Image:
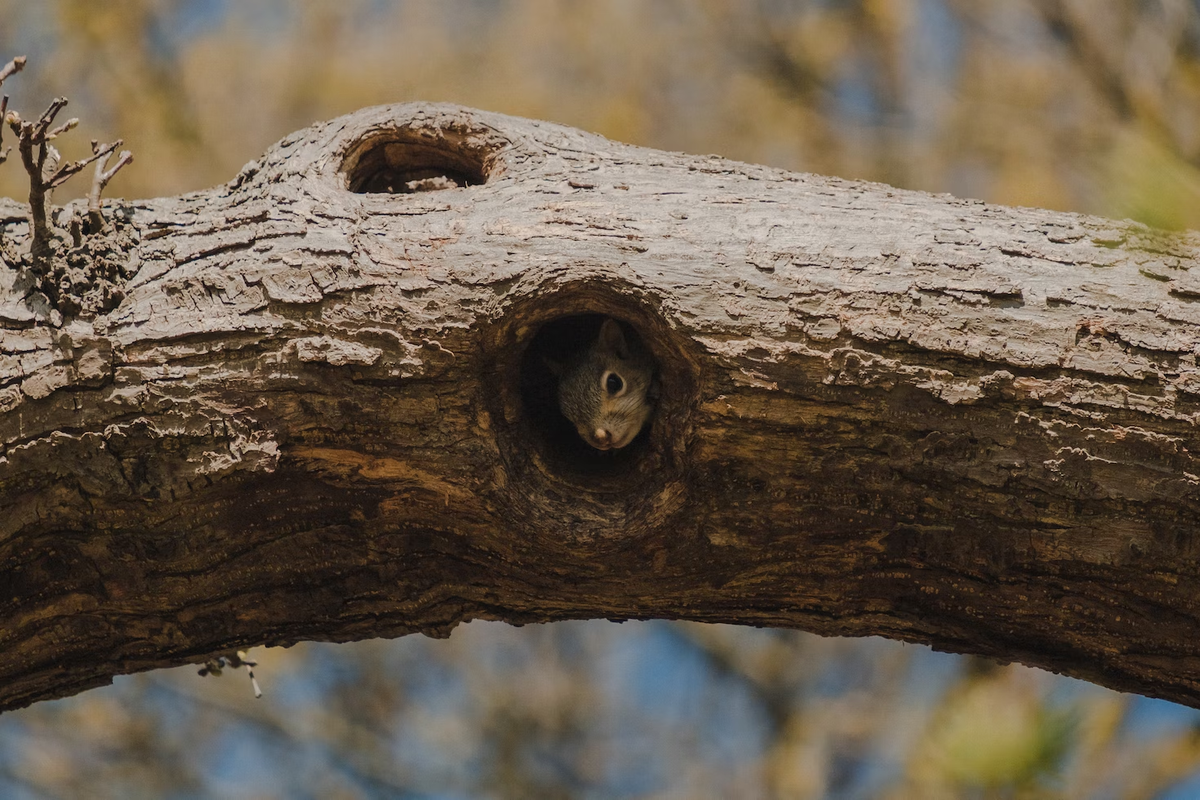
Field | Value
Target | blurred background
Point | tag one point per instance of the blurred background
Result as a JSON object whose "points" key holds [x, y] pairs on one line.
{"points": [[1077, 105]]}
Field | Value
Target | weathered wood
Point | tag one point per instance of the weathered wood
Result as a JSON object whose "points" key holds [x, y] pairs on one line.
{"points": [[318, 410]]}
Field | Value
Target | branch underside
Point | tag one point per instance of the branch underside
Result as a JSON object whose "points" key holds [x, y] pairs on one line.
{"points": [[319, 413]]}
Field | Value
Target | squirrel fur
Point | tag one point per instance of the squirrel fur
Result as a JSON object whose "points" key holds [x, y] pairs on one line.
{"points": [[607, 390]]}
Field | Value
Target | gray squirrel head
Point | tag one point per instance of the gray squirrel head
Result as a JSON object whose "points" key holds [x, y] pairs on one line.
{"points": [[606, 390]]}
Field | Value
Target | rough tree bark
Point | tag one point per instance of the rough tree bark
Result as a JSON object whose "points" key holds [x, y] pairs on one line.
{"points": [[311, 405]]}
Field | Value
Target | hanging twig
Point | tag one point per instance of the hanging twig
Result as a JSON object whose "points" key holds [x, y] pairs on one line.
{"points": [[214, 666]]}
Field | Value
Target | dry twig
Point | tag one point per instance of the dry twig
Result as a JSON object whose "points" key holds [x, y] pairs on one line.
{"points": [[33, 142], [100, 179], [12, 67], [214, 666]]}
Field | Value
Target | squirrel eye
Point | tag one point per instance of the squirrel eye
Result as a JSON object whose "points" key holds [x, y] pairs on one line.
{"points": [[613, 383]]}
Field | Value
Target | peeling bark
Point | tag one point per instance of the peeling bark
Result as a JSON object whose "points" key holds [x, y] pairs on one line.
{"points": [[320, 412]]}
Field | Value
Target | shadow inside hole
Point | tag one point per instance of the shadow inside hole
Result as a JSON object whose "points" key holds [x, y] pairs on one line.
{"points": [[554, 436], [402, 167]]}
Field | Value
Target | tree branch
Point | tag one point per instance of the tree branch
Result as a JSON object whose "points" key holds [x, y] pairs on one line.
{"points": [[42, 163], [4, 151], [33, 144], [11, 68], [323, 412], [100, 179]]}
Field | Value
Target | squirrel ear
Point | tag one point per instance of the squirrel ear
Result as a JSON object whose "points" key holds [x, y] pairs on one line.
{"points": [[613, 338]]}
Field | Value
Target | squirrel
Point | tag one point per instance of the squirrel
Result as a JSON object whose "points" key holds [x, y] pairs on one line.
{"points": [[607, 390]]}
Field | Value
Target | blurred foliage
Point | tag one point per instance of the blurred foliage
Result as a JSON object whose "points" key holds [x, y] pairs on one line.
{"points": [[1067, 104], [594, 709]]}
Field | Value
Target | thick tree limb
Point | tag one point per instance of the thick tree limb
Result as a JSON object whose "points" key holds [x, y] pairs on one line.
{"points": [[320, 413]]}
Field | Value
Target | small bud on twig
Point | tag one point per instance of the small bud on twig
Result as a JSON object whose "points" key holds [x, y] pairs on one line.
{"points": [[61, 129], [43, 124], [12, 67]]}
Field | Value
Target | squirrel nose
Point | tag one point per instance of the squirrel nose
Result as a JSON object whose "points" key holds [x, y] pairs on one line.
{"points": [[601, 436]]}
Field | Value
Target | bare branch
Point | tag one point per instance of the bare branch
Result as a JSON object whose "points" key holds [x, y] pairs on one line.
{"points": [[61, 129], [11, 68], [43, 124], [69, 169], [40, 134], [125, 157], [41, 161], [3, 113], [40, 246], [100, 179]]}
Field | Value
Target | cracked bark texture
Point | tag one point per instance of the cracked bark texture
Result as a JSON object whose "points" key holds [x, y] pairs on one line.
{"points": [[320, 412]]}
